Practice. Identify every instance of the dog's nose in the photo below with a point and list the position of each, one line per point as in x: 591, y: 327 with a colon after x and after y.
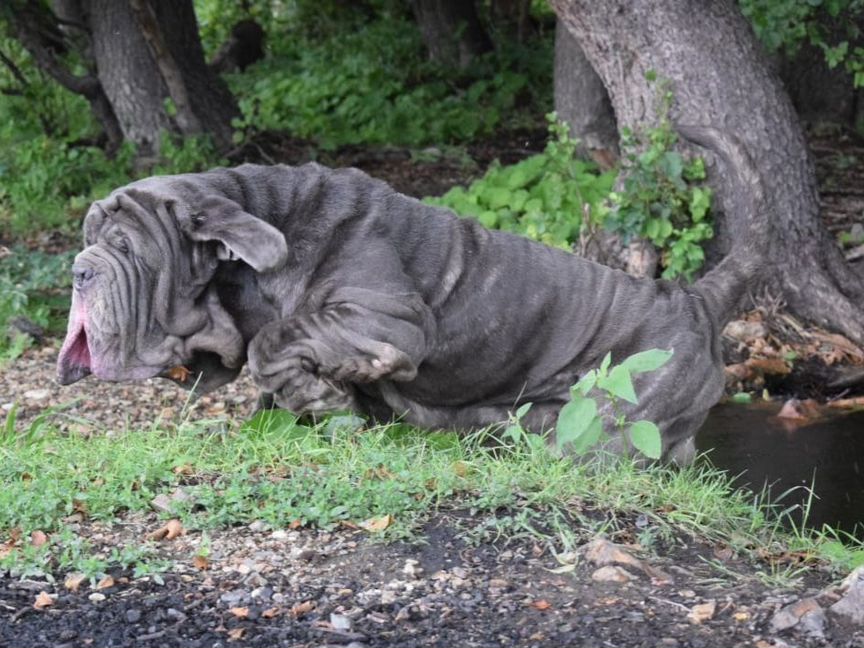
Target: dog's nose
x: 81, y: 276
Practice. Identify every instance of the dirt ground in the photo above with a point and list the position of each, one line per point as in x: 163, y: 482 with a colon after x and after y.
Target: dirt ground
x: 283, y: 587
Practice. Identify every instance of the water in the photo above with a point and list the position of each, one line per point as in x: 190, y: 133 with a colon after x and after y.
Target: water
x: 827, y: 454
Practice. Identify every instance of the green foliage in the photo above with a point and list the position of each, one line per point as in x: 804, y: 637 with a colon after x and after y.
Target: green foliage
x: 831, y: 25
x: 543, y: 197
x: 552, y: 197
x: 658, y: 200
x: 33, y: 285
x: 580, y: 425
x: 368, y: 81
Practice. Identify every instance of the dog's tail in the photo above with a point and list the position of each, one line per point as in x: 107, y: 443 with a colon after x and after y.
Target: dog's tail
x: 724, y: 285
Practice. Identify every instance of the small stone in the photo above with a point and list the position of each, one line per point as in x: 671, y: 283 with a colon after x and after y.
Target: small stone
x: 262, y: 593
x: 235, y: 597
x: 175, y: 615
x: 258, y: 526
x: 611, y: 574
x: 852, y: 603
x: 340, y: 621
x: 459, y: 572
x: 279, y: 534
x: 96, y: 597
x: 702, y: 612
x: 499, y: 583
x: 133, y: 615
x: 37, y: 394
x: 412, y: 568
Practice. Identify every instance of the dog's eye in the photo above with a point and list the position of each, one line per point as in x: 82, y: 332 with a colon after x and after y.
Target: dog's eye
x: 122, y: 245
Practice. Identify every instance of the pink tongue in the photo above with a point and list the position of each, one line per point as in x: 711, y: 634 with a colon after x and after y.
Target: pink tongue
x: 74, y: 361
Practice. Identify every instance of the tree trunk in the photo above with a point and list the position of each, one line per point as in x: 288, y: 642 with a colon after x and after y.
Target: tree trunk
x: 721, y: 78
x: 35, y: 26
x: 149, y: 55
x: 451, y: 31
x: 581, y: 99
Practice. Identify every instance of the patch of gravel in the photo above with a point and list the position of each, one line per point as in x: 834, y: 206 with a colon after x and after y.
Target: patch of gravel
x: 30, y: 381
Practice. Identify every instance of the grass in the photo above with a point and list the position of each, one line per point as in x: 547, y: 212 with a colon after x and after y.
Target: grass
x: 276, y: 470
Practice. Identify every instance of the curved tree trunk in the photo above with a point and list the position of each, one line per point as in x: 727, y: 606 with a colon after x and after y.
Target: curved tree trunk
x: 720, y: 78
x: 146, y: 57
x: 451, y: 31
x: 581, y: 99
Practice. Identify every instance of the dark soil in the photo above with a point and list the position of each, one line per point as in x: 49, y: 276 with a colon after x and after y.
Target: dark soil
x: 308, y: 588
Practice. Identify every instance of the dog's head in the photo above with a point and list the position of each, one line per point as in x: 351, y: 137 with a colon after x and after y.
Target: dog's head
x: 142, y: 303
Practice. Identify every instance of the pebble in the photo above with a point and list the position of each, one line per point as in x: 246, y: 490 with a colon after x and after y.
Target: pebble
x: 258, y: 526
x: 133, y: 615
x: 611, y: 574
x: 96, y: 597
x: 37, y: 394
x: 279, y: 534
x: 234, y: 597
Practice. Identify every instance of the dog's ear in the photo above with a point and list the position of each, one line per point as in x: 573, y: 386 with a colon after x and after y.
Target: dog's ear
x: 240, y: 234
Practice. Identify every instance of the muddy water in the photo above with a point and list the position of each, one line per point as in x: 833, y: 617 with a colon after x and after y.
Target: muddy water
x: 827, y: 454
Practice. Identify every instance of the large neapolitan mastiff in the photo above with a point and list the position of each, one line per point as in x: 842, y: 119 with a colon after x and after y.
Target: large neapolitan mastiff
x: 341, y: 293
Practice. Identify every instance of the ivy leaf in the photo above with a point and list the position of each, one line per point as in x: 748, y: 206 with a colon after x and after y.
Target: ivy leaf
x: 619, y: 383
x: 645, y: 437
x: 646, y: 361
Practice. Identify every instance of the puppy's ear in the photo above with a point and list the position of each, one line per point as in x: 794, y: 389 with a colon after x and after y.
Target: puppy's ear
x: 241, y: 235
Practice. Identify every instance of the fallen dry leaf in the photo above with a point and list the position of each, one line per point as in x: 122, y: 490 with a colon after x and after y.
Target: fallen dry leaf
x: 105, y: 583
x: 460, y: 468
x: 201, y: 562
x: 702, y: 612
x: 185, y: 469
x: 38, y: 538
x: 377, y: 524
x: 541, y: 605
x: 271, y: 613
x: 302, y: 608
x: 769, y: 366
x: 179, y: 373
x: 172, y: 529
x: 240, y: 612
x: 295, y: 524
x: 73, y: 582
x: 43, y: 600
x: 236, y: 634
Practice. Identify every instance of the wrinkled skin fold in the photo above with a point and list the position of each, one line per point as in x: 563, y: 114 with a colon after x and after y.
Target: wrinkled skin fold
x: 340, y: 294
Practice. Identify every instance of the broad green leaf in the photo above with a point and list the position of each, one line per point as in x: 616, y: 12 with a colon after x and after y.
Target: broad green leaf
x: 523, y: 410
x: 589, y: 438
x: 574, y: 420
x: 619, y: 383
x: 645, y: 361
x: 604, y: 365
x: 645, y: 437
x: 586, y: 383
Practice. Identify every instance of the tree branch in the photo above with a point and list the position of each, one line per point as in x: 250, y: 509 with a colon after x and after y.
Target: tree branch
x: 173, y: 77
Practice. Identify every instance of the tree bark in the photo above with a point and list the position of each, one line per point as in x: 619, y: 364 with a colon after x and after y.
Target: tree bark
x: 721, y: 78
x: 138, y: 75
x: 451, y: 31
x: 35, y: 26
x: 581, y: 99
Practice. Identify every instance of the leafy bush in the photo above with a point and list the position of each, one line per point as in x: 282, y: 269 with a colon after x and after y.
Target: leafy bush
x: 659, y: 200
x: 787, y: 24
x: 372, y: 85
x: 583, y: 424
x: 543, y: 197
x: 547, y: 197
x: 33, y: 285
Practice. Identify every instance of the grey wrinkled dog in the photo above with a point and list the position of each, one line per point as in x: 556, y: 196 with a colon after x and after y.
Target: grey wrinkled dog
x: 342, y: 294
